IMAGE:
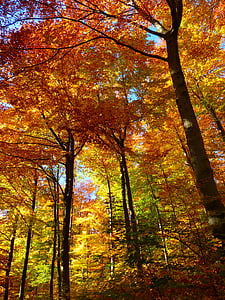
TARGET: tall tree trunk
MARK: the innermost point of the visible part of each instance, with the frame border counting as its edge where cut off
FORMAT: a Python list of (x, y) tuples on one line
[(112, 256), (9, 263), (59, 254), (125, 209), (129, 193), (163, 237), (160, 222), (29, 235), (67, 199), (200, 162), (55, 194), (134, 229)]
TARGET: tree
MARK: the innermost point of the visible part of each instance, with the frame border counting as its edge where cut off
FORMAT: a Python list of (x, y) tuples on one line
[(54, 187), (128, 21), (121, 105), (9, 262), (28, 242)]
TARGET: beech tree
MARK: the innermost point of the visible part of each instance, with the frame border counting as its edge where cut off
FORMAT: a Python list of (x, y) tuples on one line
[(122, 23), (82, 75), (28, 242), (65, 144)]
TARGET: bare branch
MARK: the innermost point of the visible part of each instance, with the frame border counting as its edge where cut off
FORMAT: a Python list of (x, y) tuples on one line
[(34, 143), (33, 160), (24, 69), (41, 138), (60, 142), (159, 34), (118, 42), (79, 148), (59, 48)]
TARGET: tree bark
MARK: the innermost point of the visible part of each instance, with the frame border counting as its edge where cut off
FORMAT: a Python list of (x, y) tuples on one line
[(133, 220), (204, 175), (217, 120), (29, 236), (68, 195), (55, 194), (10, 258), (125, 209), (112, 256), (163, 237), (63, 264), (58, 255)]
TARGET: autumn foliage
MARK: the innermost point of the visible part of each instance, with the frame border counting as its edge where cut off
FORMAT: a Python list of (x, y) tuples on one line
[(108, 187)]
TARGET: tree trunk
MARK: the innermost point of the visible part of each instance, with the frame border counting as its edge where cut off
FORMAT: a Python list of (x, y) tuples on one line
[(125, 209), (59, 254), (134, 229), (68, 195), (112, 256), (55, 195), (200, 162), (163, 237), (29, 235), (10, 258), (217, 120)]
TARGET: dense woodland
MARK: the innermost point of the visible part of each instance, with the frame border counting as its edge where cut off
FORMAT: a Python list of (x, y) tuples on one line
[(112, 149)]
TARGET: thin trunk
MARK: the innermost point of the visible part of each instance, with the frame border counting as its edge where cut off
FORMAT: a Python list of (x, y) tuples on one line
[(125, 209), (59, 254), (160, 223), (55, 197), (217, 120), (25, 265), (63, 261), (210, 109), (185, 150), (129, 194), (163, 237), (175, 219), (68, 195), (9, 263), (29, 236), (134, 228), (203, 171), (112, 257)]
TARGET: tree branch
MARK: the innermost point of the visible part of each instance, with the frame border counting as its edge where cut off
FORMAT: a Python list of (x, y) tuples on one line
[(176, 10), (147, 16), (118, 42), (60, 142)]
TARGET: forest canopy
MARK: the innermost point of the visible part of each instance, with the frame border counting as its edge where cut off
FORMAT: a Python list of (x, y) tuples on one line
[(112, 149)]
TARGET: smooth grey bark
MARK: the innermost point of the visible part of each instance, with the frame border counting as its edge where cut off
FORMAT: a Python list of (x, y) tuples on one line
[(204, 175), (203, 172)]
